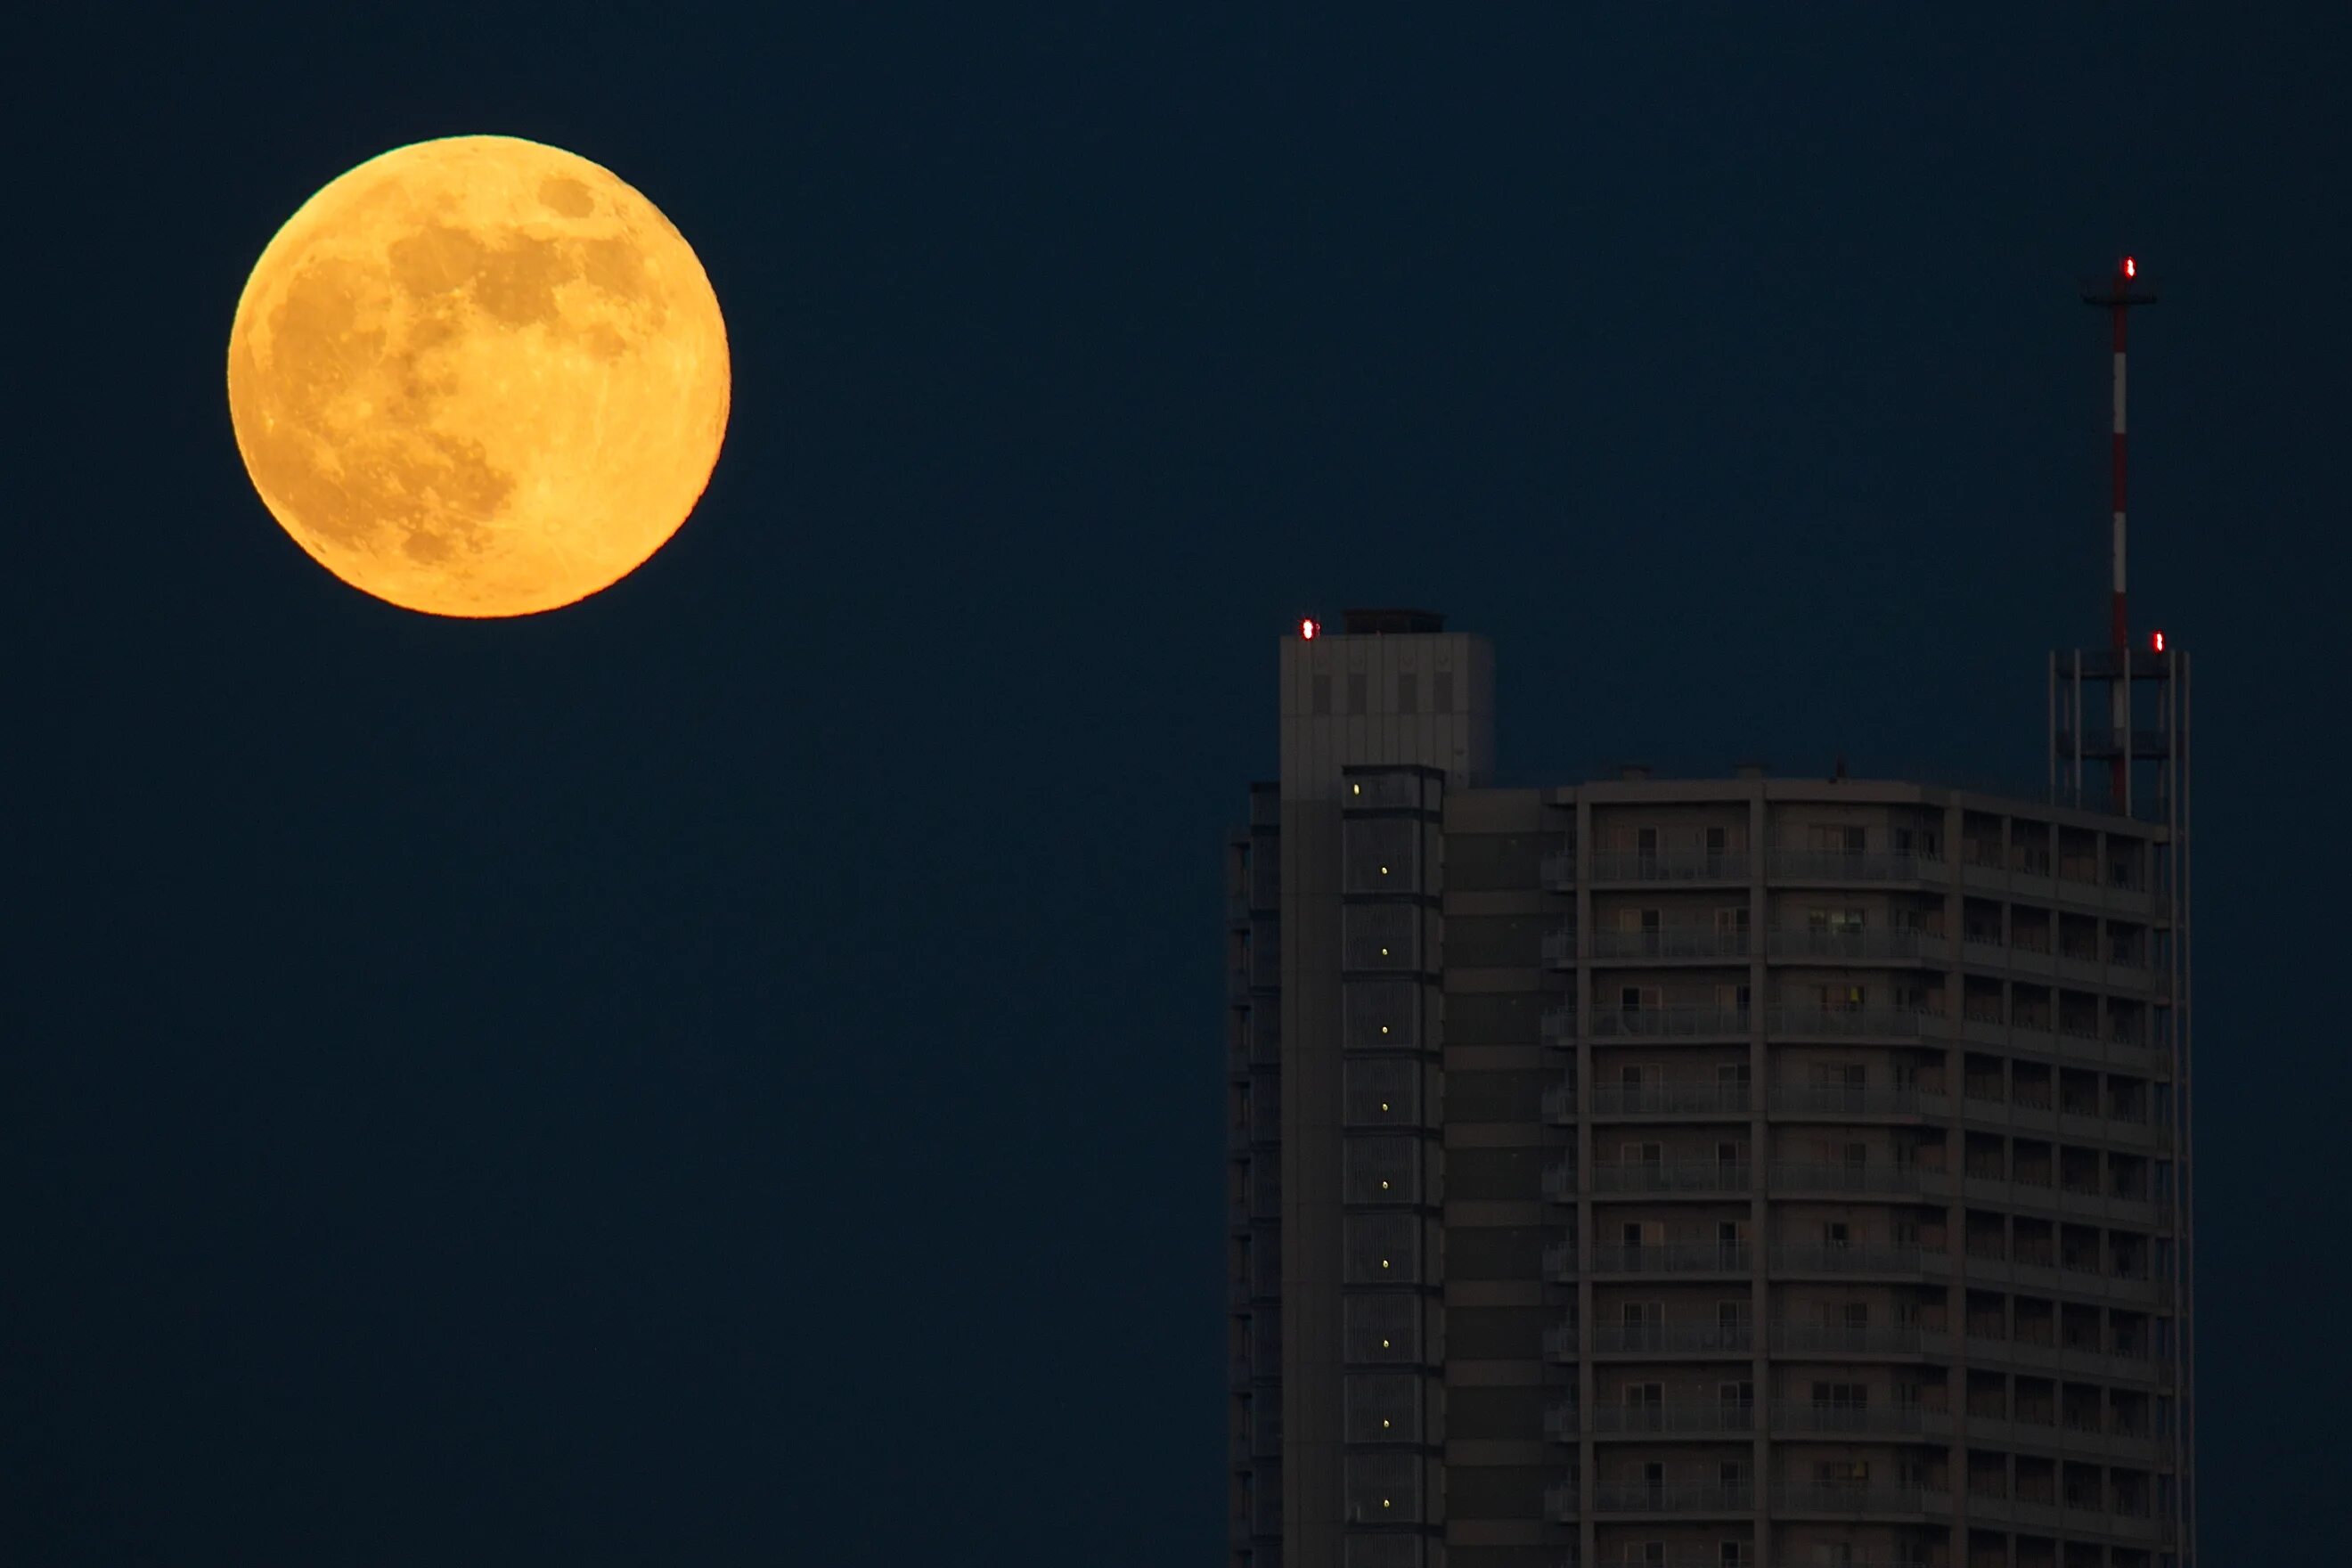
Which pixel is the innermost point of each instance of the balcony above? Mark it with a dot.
(1673, 1339)
(1849, 865)
(1639, 1497)
(1669, 1023)
(1695, 1418)
(1669, 943)
(1855, 1339)
(1560, 1104)
(1847, 1023)
(1852, 1257)
(1816, 1419)
(1674, 1257)
(1670, 866)
(1559, 948)
(1666, 1178)
(1889, 1181)
(1907, 1503)
(1559, 1027)
(1857, 1099)
(1559, 870)
(1887, 943)
(1672, 1097)
(1560, 1501)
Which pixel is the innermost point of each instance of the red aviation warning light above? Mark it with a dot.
(2156, 642)
(1309, 631)
(2131, 267)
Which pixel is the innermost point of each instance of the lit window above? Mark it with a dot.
(1384, 952)
(1384, 1502)
(1384, 1420)
(1359, 789)
(1384, 1344)
(1384, 1263)
(1384, 1028)
(1384, 870)
(1384, 1105)
(1384, 1186)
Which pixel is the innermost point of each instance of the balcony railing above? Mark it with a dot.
(1829, 1258)
(1637, 1497)
(1662, 1097)
(1673, 1339)
(1905, 1022)
(1559, 1026)
(1849, 1338)
(1672, 1419)
(1672, 1257)
(1671, 941)
(1653, 1023)
(1669, 865)
(1803, 1499)
(1894, 1181)
(1877, 1420)
(1857, 1099)
(1869, 942)
(1559, 1501)
(1559, 869)
(1843, 865)
(1560, 1102)
(1667, 1177)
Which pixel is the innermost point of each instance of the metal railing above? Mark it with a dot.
(1655, 1023)
(1815, 1499)
(1671, 941)
(1904, 1023)
(1849, 865)
(1672, 1257)
(1877, 1420)
(1819, 1176)
(1559, 1025)
(1679, 1417)
(1665, 1096)
(1688, 1339)
(1559, 868)
(1669, 1177)
(1683, 865)
(1637, 1497)
(1560, 1102)
(1858, 1099)
(1848, 1338)
(1856, 1257)
(1559, 1501)
(1869, 942)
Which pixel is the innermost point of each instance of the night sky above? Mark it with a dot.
(732, 1071)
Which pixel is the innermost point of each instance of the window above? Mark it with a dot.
(1731, 1315)
(1857, 1155)
(1842, 998)
(1646, 842)
(1641, 1154)
(1637, 1076)
(1642, 1314)
(1731, 998)
(1841, 1395)
(1833, 1233)
(1841, 1472)
(1833, 922)
(1644, 1395)
(1729, 1153)
(1742, 1392)
(1644, 1554)
(1731, 922)
(1731, 1075)
(1719, 842)
(1855, 1314)
(1633, 998)
(1837, 838)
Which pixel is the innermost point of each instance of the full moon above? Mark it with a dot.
(478, 376)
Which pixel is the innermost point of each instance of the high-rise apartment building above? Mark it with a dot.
(1752, 1171)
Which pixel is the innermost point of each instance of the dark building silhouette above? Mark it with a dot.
(1744, 1170)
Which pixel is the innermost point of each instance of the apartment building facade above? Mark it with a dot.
(1750, 1172)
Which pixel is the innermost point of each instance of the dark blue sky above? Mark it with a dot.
(730, 1072)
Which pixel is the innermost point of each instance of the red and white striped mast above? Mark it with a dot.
(2123, 291)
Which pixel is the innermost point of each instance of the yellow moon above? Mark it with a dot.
(478, 376)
